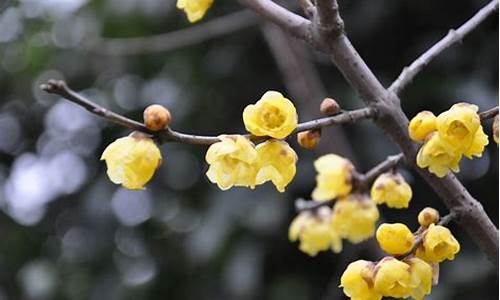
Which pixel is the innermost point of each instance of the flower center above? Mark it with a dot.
(458, 129)
(272, 117)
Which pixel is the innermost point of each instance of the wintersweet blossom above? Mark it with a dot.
(439, 156)
(395, 239)
(355, 217)
(334, 177)
(273, 115)
(392, 189)
(314, 232)
(132, 160)
(393, 278)
(276, 162)
(438, 244)
(232, 162)
(357, 281)
(194, 9)
(421, 125)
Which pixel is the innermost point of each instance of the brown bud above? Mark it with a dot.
(156, 117)
(329, 107)
(428, 216)
(309, 139)
(495, 129)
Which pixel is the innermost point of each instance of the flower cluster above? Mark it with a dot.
(236, 161)
(454, 133)
(403, 274)
(354, 213)
(194, 9)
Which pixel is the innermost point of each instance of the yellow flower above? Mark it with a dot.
(357, 281)
(439, 244)
(421, 278)
(334, 177)
(421, 125)
(276, 162)
(458, 125)
(478, 143)
(132, 160)
(232, 162)
(439, 156)
(392, 278)
(273, 115)
(395, 239)
(354, 217)
(391, 189)
(314, 232)
(194, 9)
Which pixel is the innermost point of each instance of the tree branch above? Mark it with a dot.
(451, 38)
(488, 114)
(294, 24)
(470, 213)
(175, 39)
(60, 88)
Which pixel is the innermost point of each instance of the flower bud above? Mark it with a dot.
(495, 129)
(421, 125)
(395, 239)
(156, 117)
(329, 107)
(428, 216)
(309, 139)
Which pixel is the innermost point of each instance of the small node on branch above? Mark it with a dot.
(157, 117)
(329, 107)
(54, 86)
(309, 139)
(428, 216)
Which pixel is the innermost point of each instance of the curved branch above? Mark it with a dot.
(296, 25)
(60, 88)
(363, 181)
(453, 36)
(175, 39)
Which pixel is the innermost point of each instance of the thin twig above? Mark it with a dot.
(363, 181)
(60, 88)
(488, 114)
(305, 205)
(175, 39)
(453, 36)
(329, 20)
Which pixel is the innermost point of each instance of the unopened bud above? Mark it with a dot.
(309, 139)
(495, 129)
(156, 117)
(329, 107)
(428, 216)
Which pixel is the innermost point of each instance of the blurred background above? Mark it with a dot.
(67, 232)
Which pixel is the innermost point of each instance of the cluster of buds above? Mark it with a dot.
(454, 133)
(412, 266)
(354, 214)
(236, 161)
